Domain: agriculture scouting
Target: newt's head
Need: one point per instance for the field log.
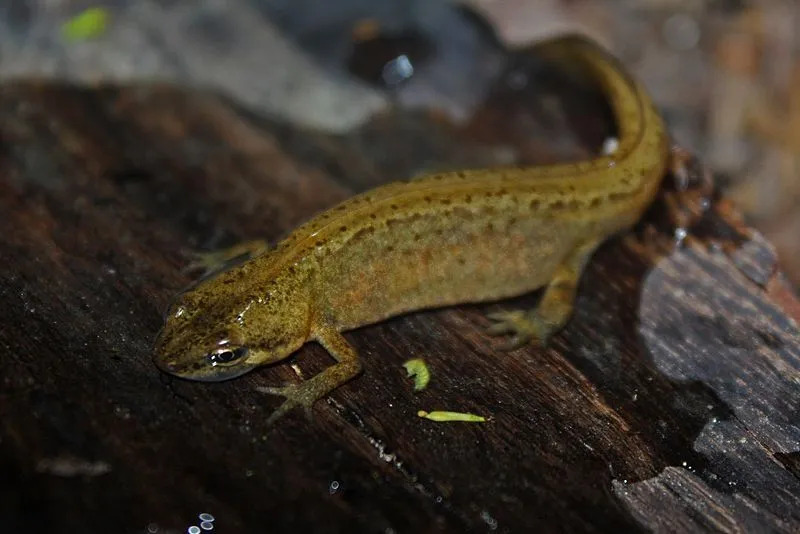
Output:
(232, 323)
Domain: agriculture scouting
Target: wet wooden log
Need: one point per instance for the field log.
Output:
(669, 403)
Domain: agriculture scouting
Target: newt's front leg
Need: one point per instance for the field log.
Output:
(306, 393)
(555, 308)
(207, 263)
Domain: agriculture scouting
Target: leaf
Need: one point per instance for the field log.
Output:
(88, 24)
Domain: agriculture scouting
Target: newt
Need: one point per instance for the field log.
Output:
(438, 240)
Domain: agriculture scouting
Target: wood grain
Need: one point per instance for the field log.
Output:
(669, 403)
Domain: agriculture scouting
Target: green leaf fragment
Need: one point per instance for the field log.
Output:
(443, 417)
(419, 370)
(87, 24)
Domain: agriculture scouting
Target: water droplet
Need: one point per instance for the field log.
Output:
(397, 70)
(207, 525)
(205, 516)
(334, 487)
(194, 529)
(490, 521)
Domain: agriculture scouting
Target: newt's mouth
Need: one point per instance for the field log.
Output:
(202, 371)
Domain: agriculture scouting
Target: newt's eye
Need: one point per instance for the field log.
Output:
(226, 355)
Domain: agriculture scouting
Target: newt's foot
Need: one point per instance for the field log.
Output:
(204, 263)
(522, 326)
(302, 395)
(207, 263)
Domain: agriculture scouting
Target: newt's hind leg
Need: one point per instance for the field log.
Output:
(555, 308)
(207, 263)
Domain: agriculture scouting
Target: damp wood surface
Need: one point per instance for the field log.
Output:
(669, 403)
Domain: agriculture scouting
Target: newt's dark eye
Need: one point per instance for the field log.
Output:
(226, 355)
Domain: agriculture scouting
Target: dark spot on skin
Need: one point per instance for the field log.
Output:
(390, 249)
(319, 243)
(438, 231)
(461, 261)
(393, 206)
(437, 177)
(445, 201)
(490, 227)
(341, 207)
(291, 269)
(461, 175)
(427, 199)
(488, 210)
(502, 192)
(594, 203)
(373, 216)
(417, 237)
(363, 232)
(468, 199)
(343, 229)
(488, 194)
(535, 204)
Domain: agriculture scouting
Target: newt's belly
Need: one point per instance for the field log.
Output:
(440, 259)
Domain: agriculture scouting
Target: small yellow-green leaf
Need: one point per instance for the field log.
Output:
(419, 370)
(87, 24)
(443, 417)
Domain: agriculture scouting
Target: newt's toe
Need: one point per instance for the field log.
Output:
(522, 326)
(297, 395)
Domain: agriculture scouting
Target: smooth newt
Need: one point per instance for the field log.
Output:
(434, 241)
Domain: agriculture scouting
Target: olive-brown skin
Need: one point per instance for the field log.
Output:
(434, 241)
